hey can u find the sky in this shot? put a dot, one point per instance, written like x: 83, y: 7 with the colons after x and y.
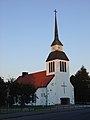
x: 27, y: 31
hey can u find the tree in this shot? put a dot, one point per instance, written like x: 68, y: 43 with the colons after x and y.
x: 12, y: 91
x: 81, y: 83
x: 19, y: 93
x: 2, y: 92
x: 82, y: 74
x: 25, y: 92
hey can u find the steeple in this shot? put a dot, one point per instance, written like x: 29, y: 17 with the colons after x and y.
x: 56, y: 36
x: 57, y: 58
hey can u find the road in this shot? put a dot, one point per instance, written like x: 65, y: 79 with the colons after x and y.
x: 65, y: 115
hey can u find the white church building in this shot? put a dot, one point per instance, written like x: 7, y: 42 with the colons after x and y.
x: 52, y: 85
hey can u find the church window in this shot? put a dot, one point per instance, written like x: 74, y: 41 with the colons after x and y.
x: 50, y: 89
x: 65, y: 66
x: 42, y: 94
x: 51, y: 67
x: 62, y: 66
x: 52, y: 84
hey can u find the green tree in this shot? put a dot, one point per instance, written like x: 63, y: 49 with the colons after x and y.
x: 25, y: 92
x: 82, y: 74
x: 10, y: 92
x: 21, y: 92
x: 2, y: 92
x: 13, y: 89
x: 81, y: 83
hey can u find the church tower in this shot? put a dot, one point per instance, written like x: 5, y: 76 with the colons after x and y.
x: 57, y: 64
x: 57, y: 55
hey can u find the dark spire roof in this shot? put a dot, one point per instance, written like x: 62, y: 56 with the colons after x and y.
x: 56, y: 37
x: 57, y: 55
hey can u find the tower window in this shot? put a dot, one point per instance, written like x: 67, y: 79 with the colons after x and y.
x: 51, y: 67
x: 65, y: 66
x: 62, y: 66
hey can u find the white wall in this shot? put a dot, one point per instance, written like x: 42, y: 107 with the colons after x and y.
x: 51, y: 92
x: 41, y: 96
x: 56, y: 91
x: 57, y: 67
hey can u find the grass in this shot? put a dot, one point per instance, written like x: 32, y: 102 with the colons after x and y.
x: 16, y: 109
x: 24, y: 109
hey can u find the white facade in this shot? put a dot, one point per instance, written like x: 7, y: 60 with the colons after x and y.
x: 59, y: 87
x: 59, y: 90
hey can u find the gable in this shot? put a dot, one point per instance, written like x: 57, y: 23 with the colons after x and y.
x: 38, y: 79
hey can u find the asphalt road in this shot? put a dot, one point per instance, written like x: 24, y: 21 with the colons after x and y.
x: 65, y: 115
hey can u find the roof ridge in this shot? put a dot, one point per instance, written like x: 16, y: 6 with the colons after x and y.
x: 37, y: 72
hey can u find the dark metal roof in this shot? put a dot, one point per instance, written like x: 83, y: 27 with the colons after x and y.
x: 56, y: 42
x: 57, y: 55
x: 56, y: 36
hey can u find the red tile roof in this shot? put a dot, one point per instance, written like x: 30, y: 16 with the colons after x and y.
x: 38, y: 79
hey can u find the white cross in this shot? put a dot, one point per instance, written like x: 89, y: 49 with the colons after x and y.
x: 64, y: 86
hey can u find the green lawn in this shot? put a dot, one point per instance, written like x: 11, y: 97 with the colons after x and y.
x: 24, y: 109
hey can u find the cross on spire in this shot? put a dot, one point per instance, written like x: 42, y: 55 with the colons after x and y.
x: 55, y: 11
x: 63, y: 85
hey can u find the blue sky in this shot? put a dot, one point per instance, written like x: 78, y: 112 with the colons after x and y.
x: 27, y: 31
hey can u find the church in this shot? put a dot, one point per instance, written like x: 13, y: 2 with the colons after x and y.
x: 52, y: 85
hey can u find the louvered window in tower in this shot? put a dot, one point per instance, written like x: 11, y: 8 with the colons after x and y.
x: 62, y: 66
x: 51, y: 67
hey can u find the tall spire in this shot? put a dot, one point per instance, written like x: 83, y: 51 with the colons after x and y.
x: 56, y: 28
x: 56, y: 37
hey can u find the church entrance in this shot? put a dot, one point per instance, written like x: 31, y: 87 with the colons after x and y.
x: 65, y: 101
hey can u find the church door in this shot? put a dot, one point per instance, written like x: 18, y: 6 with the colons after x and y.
x: 65, y: 101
